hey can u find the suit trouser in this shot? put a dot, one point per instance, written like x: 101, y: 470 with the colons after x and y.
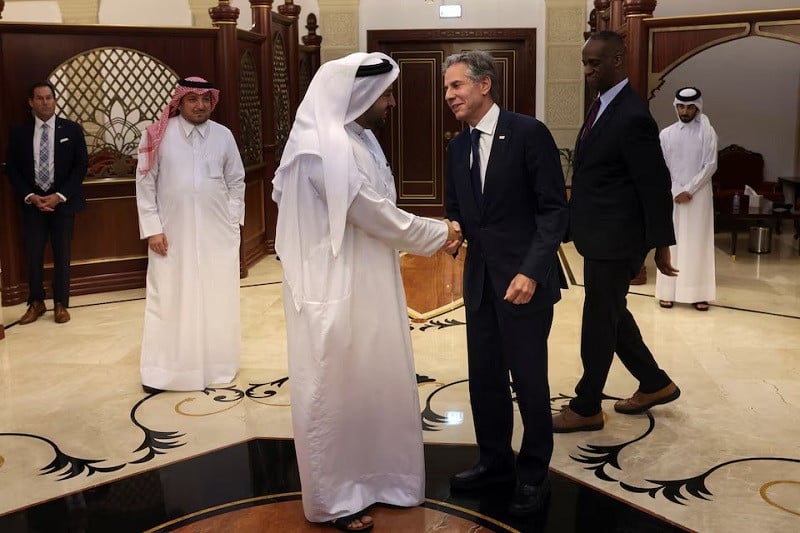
x: 609, y: 327
x: 39, y: 227
x: 502, y: 337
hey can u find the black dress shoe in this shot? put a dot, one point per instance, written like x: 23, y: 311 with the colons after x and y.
x: 529, y: 498
x: 480, y: 476
x: 151, y: 390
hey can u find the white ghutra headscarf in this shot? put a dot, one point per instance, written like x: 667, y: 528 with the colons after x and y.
x: 341, y: 91
x: 692, y: 95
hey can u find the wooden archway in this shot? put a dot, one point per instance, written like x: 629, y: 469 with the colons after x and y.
x: 657, y: 45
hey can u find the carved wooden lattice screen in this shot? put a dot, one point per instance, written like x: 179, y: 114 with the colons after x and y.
x: 114, y: 93
x: 251, y: 142
x: 280, y: 73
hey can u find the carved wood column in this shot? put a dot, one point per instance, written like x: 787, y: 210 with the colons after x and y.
x: 262, y: 23
x: 635, y: 13
x: 312, y: 40
x: 338, y: 20
x: 617, y: 15
x: 224, y: 17
x: 200, y: 11
x: 2, y: 6
x: 563, y: 100
x: 603, y: 13
x: 79, y: 11
x: 291, y: 10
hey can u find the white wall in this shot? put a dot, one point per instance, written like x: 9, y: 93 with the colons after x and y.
x: 145, y: 12
x: 32, y: 12
x: 418, y: 14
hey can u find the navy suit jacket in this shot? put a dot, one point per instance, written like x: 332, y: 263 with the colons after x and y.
x: 621, y: 201
x: 70, y: 161
x: 523, y: 215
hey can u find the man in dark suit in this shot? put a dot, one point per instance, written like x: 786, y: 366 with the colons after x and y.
x: 505, y: 189
x: 47, y: 161
x: 620, y: 208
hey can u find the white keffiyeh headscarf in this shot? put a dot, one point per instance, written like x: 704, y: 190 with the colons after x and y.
x: 341, y: 91
x: 692, y: 95
x: 154, y: 133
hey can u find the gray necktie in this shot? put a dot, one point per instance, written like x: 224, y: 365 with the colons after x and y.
x: 43, y: 179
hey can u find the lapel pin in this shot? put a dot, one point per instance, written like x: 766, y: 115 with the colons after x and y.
x: 501, y: 137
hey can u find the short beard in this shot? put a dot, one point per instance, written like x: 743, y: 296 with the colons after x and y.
x: 377, y: 123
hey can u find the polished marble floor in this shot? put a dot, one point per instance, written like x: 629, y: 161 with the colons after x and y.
x: 74, y: 423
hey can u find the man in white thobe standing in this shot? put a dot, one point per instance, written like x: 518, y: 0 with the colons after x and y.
x: 355, y: 404
x: 190, y: 196
x: 690, y: 150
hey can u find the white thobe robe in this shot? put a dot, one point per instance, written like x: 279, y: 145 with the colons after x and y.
x: 194, y: 195
x: 355, y: 403
x: 690, y: 150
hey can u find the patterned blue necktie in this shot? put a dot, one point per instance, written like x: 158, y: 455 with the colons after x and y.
x: 43, y: 179
x: 475, y: 169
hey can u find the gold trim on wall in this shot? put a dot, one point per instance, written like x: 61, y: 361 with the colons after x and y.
x: 656, y: 79
x: 760, y: 30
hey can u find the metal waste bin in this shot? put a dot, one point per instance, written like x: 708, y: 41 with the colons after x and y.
x: 760, y: 239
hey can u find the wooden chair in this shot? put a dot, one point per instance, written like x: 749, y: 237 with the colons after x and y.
x: 737, y: 167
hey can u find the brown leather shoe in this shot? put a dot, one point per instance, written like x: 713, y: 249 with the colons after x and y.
x: 642, y: 401
x: 35, y: 310
x: 62, y: 315
x: 568, y: 421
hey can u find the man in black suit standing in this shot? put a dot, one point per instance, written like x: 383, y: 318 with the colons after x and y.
x: 620, y: 208
x: 47, y: 162
x: 505, y: 189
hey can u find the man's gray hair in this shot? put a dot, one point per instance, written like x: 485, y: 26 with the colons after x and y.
x: 480, y: 65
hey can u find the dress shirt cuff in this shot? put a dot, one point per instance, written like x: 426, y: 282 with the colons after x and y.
x: 63, y: 198
x: 28, y: 198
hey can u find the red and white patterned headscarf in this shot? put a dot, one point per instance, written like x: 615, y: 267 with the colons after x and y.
x: 155, y: 132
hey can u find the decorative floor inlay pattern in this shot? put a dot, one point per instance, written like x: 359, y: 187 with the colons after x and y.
x: 76, y: 429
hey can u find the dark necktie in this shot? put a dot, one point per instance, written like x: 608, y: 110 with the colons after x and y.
x: 43, y: 179
x: 590, y: 118
x: 475, y: 169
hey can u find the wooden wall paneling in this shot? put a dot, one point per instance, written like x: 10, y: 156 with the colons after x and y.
x: 254, y: 235
x: 418, y: 160
x: 787, y: 30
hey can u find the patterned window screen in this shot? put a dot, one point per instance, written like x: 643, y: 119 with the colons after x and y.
x: 251, y: 140
x: 114, y: 93
x: 281, y: 95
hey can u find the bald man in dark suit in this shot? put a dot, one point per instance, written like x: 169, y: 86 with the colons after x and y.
x: 620, y: 208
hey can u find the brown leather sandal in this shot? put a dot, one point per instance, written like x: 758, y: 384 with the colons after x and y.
x: 666, y: 304
x: 701, y: 306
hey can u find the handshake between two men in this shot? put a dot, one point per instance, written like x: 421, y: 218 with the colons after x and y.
x: 454, y: 237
